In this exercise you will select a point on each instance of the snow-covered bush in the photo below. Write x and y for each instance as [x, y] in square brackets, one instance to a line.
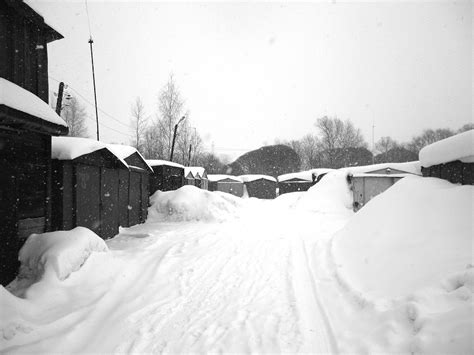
[190, 203]
[57, 254]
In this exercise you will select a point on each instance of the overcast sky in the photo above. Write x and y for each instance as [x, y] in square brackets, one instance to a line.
[254, 72]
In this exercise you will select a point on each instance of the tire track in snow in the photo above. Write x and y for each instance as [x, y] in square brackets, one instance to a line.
[325, 319]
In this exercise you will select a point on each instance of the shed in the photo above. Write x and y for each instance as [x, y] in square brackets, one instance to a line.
[189, 178]
[200, 176]
[226, 183]
[260, 186]
[300, 181]
[26, 126]
[136, 191]
[95, 187]
[166, 175]
[450, 159]
[366, 186]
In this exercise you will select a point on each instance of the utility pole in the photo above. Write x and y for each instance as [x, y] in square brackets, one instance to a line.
[174, 136]
[95, 92]
[373, 144]
[59, 102]
[189, 155]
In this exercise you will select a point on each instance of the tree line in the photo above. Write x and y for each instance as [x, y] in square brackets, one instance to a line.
[338, 143]
[335, 143]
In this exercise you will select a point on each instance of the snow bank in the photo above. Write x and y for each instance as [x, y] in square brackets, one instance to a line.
[253, 177]
[13, 96]
[408, 252]
[458, 147]
[412, 244]
[190, 203]
[57, 254]
[330, 195]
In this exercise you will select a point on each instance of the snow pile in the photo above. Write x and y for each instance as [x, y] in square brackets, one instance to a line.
[57, 254]
[15, 97]
[408, 253]
[330, 195]
[190, 203]
[458, 147]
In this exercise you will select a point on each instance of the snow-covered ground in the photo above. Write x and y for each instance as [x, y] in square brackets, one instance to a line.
[209, 272]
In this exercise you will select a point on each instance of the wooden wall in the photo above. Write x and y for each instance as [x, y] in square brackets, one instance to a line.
[456, 172]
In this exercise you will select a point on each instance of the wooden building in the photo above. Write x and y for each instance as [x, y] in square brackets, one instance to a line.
[26, 126]
[95, 187]
[366, 186]
[166, 175]
[451, 159]
[189, 178]
[226, 183]
[135, 191]
[199, 175]
[260, 186]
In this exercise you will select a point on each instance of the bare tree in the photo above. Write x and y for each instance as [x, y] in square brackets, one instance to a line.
[74, 113]
[336, 135]
[138, 122]
[384, 144]
[170, 107]
[427, 137]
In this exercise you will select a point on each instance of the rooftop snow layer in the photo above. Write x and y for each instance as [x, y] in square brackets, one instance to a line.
[458, 147]
[69, 148]
[15, 97]
[194, 170]
[304, 175]
[253, 177]
[159, 162]
[413, 167]
[219, 177]
[124, 151]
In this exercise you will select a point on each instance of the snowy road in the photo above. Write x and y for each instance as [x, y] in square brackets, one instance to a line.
[242, 285]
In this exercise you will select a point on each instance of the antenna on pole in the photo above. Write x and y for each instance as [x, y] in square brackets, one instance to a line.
[373, 144]
[93, 69]
[95, 91]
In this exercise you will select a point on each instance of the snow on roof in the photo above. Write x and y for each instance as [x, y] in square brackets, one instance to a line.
[458, 147]
[304, 175]
[219, 177]
[159, 162]
[253, 177]
[124, 151]
[413, 167]
[194, 170]
[16, 97]
[70, 148]
[371, 175]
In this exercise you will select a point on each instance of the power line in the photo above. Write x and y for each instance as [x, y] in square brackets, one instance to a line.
[105, 113]
[90, 103]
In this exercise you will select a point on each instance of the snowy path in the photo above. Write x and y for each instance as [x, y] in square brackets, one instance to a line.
[244, 285]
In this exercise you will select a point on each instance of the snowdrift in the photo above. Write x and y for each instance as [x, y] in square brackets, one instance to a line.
[56, 254]
[409, 252]
[330, 195]
[190, 203]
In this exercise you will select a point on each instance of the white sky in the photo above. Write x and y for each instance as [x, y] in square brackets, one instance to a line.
[254, 72]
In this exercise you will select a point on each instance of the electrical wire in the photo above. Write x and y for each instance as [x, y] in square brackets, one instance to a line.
[105, 113]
